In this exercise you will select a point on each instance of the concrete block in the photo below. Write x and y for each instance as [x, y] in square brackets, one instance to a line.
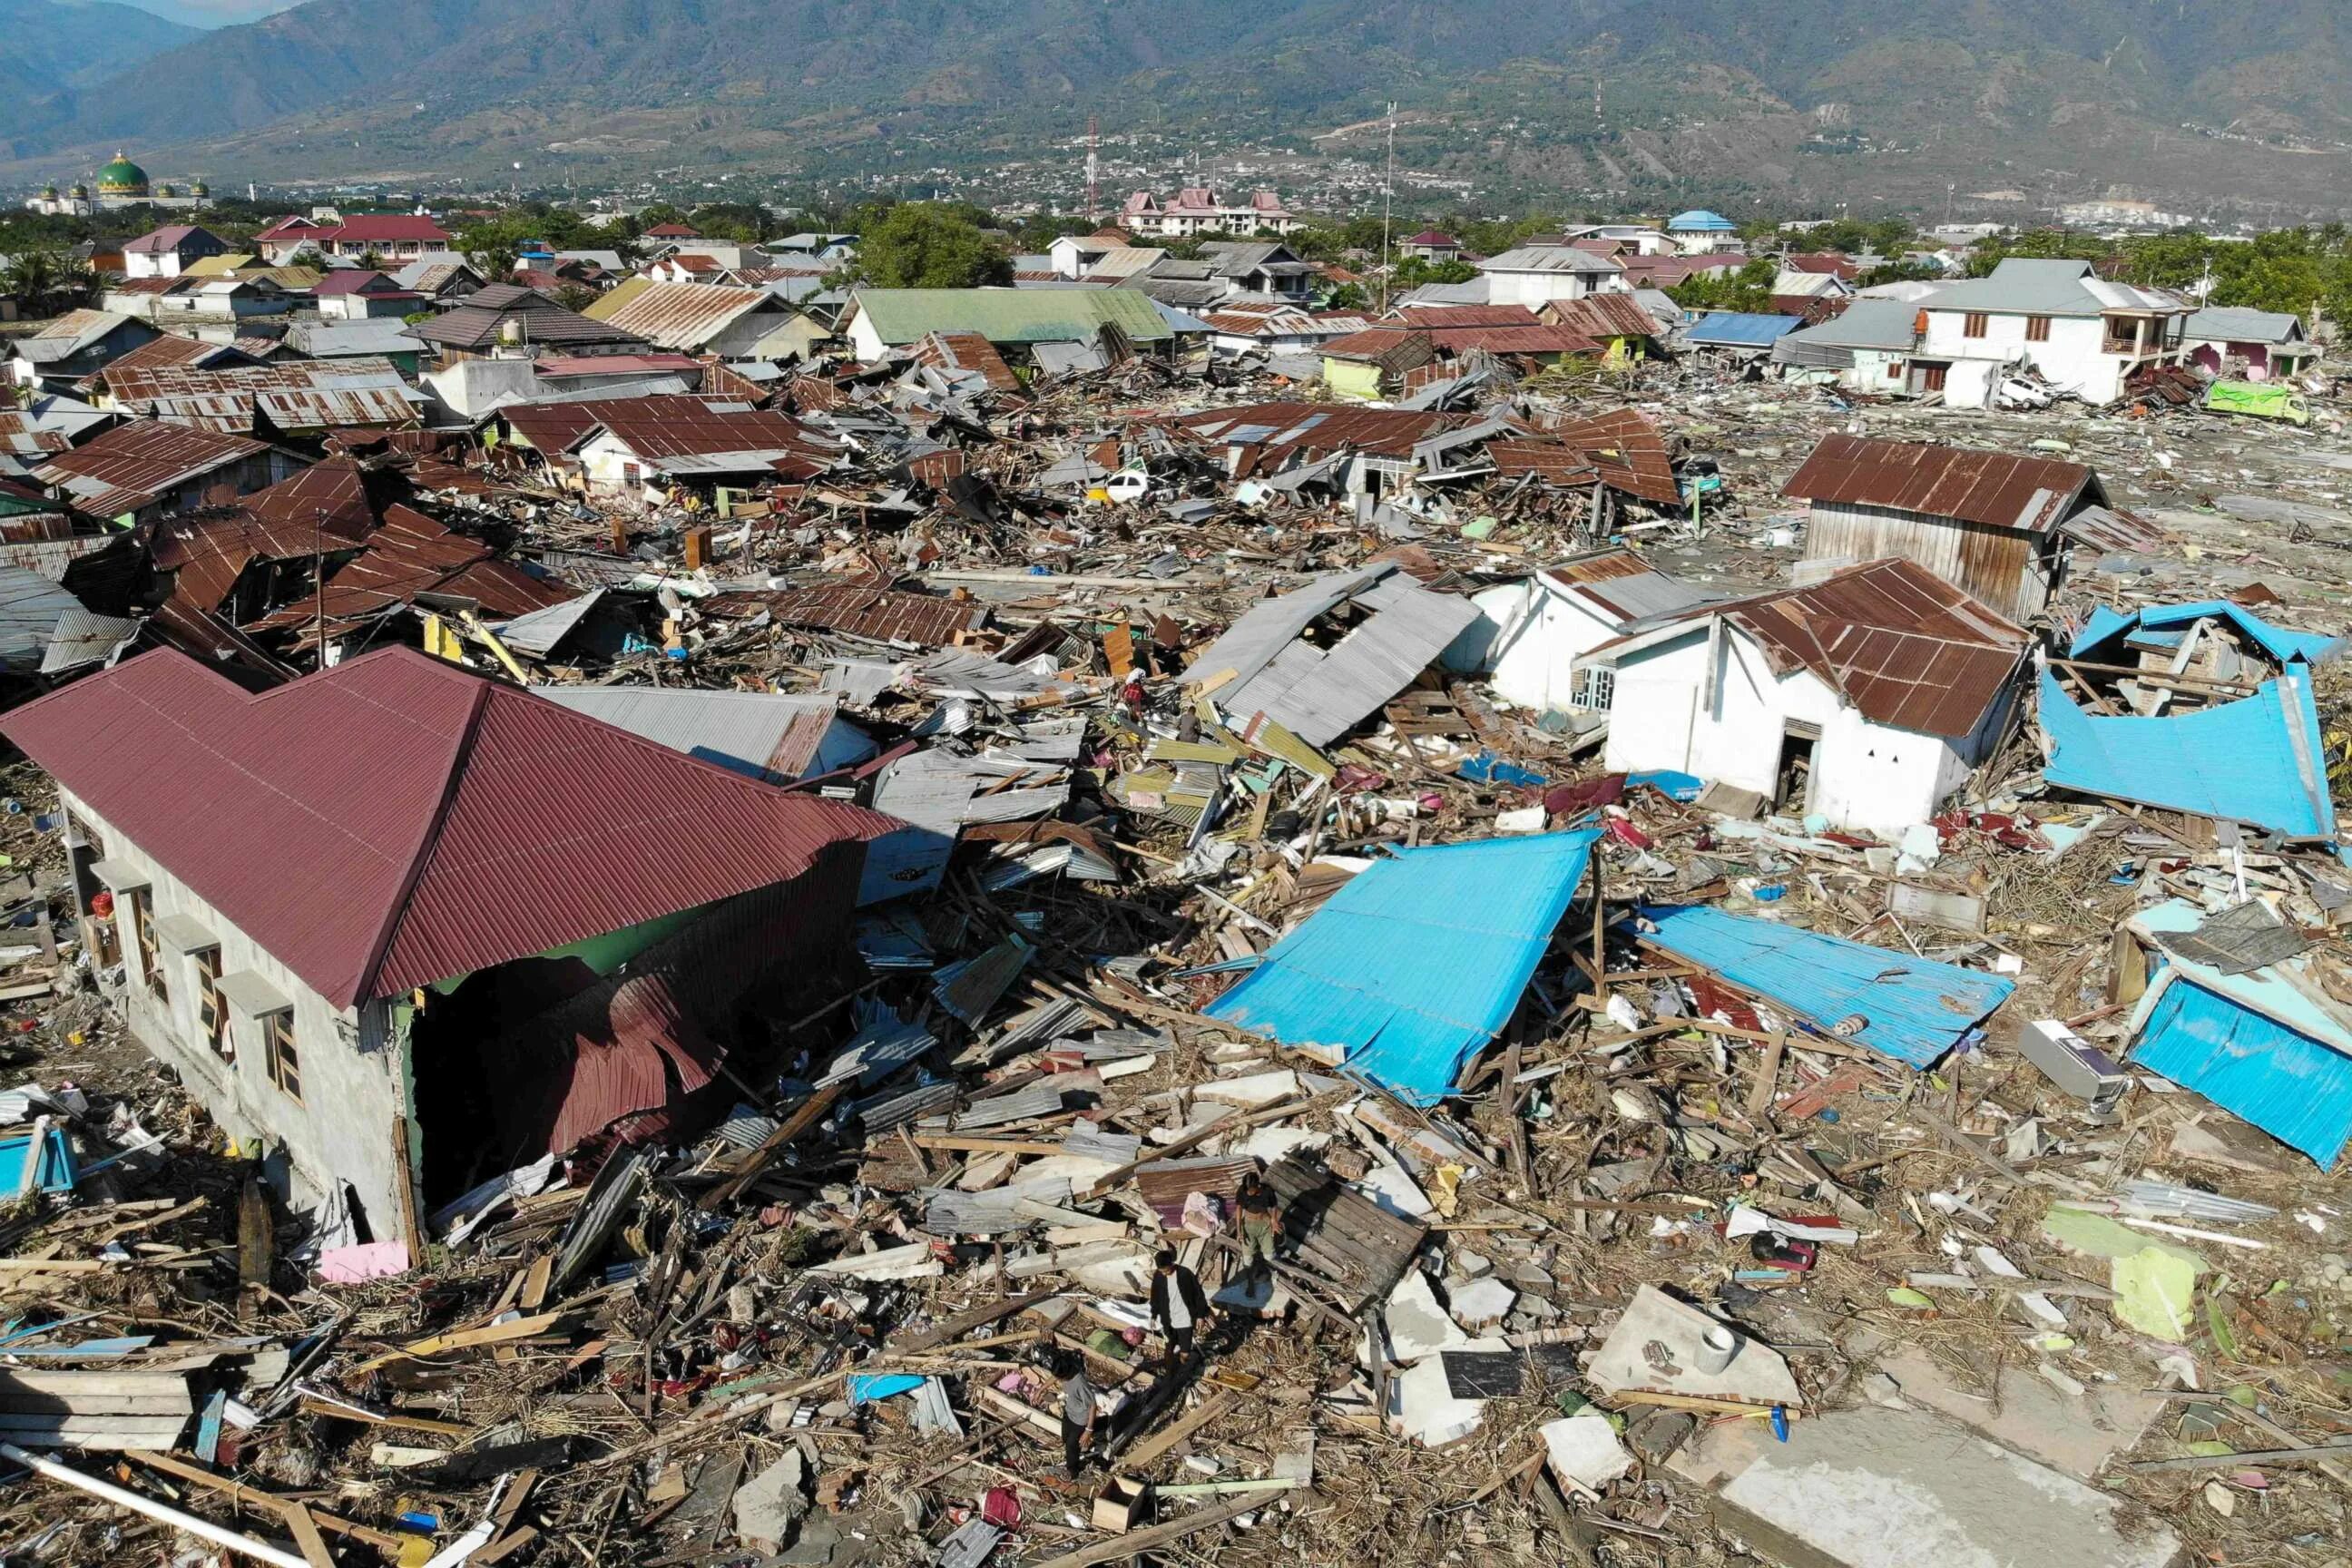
[1417, 1325]
[1904, 1489]
[2077, 1436]
[1655, 1347]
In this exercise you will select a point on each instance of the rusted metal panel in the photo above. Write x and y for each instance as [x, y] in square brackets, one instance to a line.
[397, 820]
[1997, 489]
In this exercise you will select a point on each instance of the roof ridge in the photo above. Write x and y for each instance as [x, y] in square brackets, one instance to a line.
[397, 910]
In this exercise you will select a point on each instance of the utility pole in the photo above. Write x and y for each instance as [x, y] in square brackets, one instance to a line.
[318, 578]
[1388, 195]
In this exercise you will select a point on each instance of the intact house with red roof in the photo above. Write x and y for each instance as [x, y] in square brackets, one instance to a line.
[403, 929]
[167, 251]
[396, 237]
[1864, 698]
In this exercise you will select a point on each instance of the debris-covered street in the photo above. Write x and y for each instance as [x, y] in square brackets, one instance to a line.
[1612, 964]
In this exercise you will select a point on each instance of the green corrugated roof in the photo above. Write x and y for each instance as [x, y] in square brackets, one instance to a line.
[1012, 315]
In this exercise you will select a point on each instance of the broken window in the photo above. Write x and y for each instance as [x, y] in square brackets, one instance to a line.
[285, 1065]
[2037, 329]
[212, 1007]
[1976, 325]
[150, 957]
[1595, 688]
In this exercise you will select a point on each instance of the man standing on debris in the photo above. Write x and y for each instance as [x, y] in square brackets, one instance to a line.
[1261, 1220]
[1177, 1304]
[1077, 1413]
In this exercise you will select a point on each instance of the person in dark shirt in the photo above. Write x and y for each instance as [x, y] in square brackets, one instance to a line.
[1177, 1306]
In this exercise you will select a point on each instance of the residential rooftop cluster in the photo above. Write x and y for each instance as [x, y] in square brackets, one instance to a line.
[1205, 906]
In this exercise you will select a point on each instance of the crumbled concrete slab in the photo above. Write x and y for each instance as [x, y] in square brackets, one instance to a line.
[2076, 1435]
[1418, 1327]
[1480, 1303]
[1655, 1347]
[1904, 1489]
[771, 1503]
[1422, 1406]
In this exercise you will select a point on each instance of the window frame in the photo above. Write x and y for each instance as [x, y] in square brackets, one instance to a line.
[281, 1054]
[210, 999]
[1976, 324]
[1593, 681]
[2037, 329]
[149, 946]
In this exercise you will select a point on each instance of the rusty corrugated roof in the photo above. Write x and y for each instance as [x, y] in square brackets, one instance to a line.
[1905, 647]
[1996, 489]
[863, 609]
[1629, 449]
[680, 315]
[397, 820]
[126, 467]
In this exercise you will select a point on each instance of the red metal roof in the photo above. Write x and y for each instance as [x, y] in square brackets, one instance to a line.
[1630, 451]
[397, 820]
[1994, 489]
[1609, 315]
[1464, 315]
[1905, 647]
[616, 364]
[366, 228]
[129, 466]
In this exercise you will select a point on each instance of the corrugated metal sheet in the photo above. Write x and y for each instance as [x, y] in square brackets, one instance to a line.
[1629, 449]
[2263, 1045]
[1417, 960]
[126, 467]
[30, 608]
[905, 316]
[1319, 694]
[1997, 489]
[863, 609]
[83, 636]
[1738, 330]
[396, 820]
[1911, 1008]
[2260, 760]
[1285, 430]
[759, 734]
[2292, 1087]
[295, 395]
[685, 316]
[2282, 644]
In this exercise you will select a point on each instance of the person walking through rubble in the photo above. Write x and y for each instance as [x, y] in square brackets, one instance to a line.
[1077, 1413]
[1260, 1215]
[1177, 1306]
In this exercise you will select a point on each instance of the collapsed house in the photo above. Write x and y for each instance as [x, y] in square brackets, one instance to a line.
[337, 945]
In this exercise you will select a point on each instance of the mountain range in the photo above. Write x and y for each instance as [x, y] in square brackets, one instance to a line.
[2182, 101]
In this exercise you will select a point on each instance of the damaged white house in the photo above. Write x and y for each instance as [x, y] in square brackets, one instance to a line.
[1864, 698]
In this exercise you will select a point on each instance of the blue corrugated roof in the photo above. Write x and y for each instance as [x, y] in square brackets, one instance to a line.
[1915, 1009]
[1740, 330]
[1702, 219]
[1418, 961]
[2287, 1084]
[2256, 760]
[2281, 644]
[2263, 1045]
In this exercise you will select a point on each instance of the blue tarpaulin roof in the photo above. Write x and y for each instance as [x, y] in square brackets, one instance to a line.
[2281, 644]
[1737, 329]
[1915, 1009]
[1418, 961]
[2258, 1045]
[2257, 760]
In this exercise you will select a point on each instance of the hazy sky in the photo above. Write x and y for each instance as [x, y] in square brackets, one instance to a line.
[213, 13]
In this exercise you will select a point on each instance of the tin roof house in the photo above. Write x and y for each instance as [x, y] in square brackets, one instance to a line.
[1864, 698]
[400, 926]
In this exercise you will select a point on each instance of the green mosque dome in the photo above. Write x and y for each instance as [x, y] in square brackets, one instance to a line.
[123, 178]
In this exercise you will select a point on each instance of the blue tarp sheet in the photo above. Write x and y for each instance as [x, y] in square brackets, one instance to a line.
[1418, 961]
[2288, 1084]
[867, 1388]
[2258, 759]
[1734, 328]
[2105, 624]
[1915, 1009]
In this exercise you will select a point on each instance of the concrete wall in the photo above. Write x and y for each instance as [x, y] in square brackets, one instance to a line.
[354, 1082]
[1528, 637]
[2072, 360]
[1537, 290]
[1865, 777]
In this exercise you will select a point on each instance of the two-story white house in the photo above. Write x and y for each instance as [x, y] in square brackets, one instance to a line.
[397, 927]
[1535, 275]
[166, 252]
[2080, 332]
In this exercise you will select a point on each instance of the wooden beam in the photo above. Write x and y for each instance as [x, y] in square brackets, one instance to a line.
[811, 1111]
[1137, 1541]
[1217, 1405]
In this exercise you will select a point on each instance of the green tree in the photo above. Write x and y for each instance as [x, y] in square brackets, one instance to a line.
[1750, 288]
[1347, 297]
[1412, 271]
[928, 244]
[47, 279]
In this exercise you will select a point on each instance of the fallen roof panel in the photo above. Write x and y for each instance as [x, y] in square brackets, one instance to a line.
[1418, 961]
[2260, 760]
[1912, 1009]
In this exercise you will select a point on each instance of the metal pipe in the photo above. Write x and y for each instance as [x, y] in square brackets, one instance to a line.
[204, 1528]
